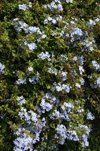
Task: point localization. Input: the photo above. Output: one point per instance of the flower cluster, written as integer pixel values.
(85, 136)
(31, 46)
(21, 100)
(23, 141)
(24, 6)
(55, 5)
(21, 81)
(53, 20)
(47, 102)
(61, 131)
(95, 65)
(61, 87)
(72, 135)
(44, 55)
(64, 112)
(30, 134)
(90, 116)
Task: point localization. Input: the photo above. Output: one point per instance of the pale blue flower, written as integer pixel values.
(90, 116)
(34, 79)
(95, 64)
(91, 23)
(85, 142)
(44, 55)
(23, 7)
(21, 100)
(81, 69)
(2, 67)
(69, 1)
(33, 29)
(21, 81)
(23, 142)
(46, 106)
(31, 46)
(98, 81)
(30, 69)
(72, 135)
(61, 133)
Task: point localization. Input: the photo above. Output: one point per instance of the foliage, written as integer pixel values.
(49, 75)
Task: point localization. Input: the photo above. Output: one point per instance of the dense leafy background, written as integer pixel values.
(17, 57)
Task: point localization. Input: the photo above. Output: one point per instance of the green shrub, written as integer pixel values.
(49, 75)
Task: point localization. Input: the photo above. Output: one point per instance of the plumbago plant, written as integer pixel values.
(49, 75)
